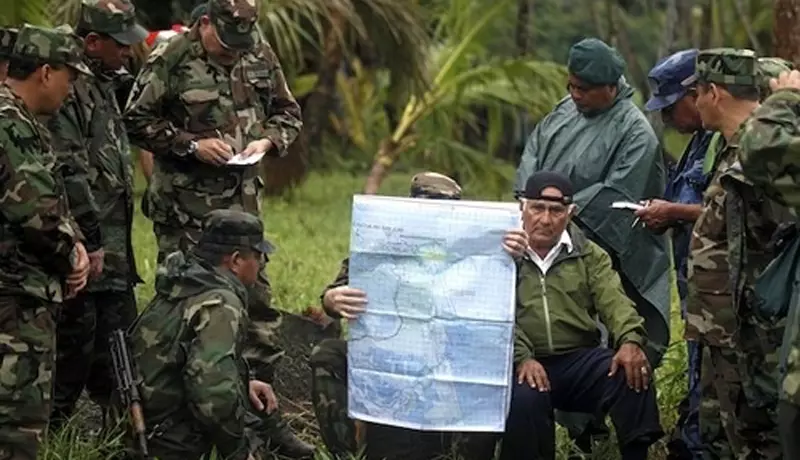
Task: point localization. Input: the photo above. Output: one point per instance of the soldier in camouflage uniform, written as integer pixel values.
(770, 158)
(203, 96)
(187, 346)
(737, 409)
(93, 152)
(7, 38)
(329, 373)
(42, 259)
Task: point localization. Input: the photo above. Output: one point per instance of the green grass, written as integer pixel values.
(310, 227)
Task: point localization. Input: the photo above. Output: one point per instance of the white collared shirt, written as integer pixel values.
(545, 264)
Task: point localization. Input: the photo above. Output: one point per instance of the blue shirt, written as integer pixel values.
(686, 186)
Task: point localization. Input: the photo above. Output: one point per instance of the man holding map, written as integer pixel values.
(564, 280)
(330, 368)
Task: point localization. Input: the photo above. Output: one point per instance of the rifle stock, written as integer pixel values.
(122, 366)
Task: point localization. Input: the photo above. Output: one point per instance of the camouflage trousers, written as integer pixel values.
(83, 359)
(28, 334)
(261, 348)
(184, 438)
(329, 398)
(738, 417)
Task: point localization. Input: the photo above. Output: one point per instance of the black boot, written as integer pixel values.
(283, 441)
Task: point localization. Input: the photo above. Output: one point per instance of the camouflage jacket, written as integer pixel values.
(342, 278)
(709, 307)
(38, 233)
(93, 152)
(187, 347)
(182, 95)
(770, 157)
(752, 220)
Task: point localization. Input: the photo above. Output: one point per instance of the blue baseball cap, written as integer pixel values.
(666, 77)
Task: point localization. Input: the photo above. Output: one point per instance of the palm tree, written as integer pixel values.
(463, 78)
(394, 33)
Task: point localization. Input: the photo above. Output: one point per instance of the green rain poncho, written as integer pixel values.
(612, 156)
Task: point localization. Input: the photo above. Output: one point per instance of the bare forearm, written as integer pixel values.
(685, 212)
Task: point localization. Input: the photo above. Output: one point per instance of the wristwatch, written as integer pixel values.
(192, 148)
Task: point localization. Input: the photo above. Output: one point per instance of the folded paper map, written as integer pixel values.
(434, 349)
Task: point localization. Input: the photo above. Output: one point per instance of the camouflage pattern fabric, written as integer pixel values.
(730, 427)
(38, 232)
(116, 18)
(261, 350)
(710, 317)
(329, 397)
(8, 36)
(727, 66)
(235, 22)
(250, 102)
(59, 46)
(36, 253)
(82, 358)
(187, 346)
(28, 341)
(181, 96)
(769, 68)
(94, 157)
(435, 186)
(752, 220)
(771, 159)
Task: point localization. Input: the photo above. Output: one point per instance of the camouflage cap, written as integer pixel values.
(225, 229)
(59, 46)
(727, 66)
(116, 18)
(235, 22)
(434, 185)
(769, 68)
(8, 37)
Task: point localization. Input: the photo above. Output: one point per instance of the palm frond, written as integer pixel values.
(397, 33)
(16, 13)
(292, 27)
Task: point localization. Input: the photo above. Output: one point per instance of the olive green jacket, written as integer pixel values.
(556, 310)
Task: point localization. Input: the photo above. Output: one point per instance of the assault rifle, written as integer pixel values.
(124, 377)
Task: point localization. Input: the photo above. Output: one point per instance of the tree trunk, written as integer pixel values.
(707, 25)
(594, 9)
(387, 154)
(786, 30)
(744, 17)
(670, 30)
(612, 23)
(686, 19)
(523, 33)
(320, 101)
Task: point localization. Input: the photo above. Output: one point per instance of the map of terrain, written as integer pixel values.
(434, 350)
